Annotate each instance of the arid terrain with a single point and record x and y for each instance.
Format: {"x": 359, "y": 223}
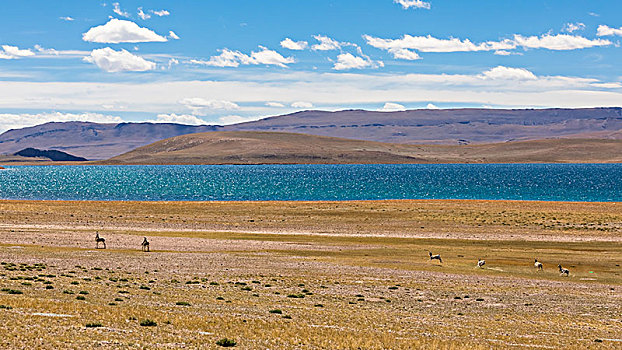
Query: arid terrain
{"x": 289, "y": 148}
{"x": 310, "y": 275}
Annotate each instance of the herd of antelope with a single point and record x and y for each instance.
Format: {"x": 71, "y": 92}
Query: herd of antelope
{"x": 481, "y": 262}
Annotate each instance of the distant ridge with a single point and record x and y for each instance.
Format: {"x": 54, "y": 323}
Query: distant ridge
{"x": 466, "y": 126}
{"x": 92, "y": 140}
{"x": 53, "y": 155}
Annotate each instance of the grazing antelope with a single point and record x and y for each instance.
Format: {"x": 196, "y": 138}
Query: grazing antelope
{"x": 538, "y": 265}
{"x": 435, "y": 257}
{"x": 563, "y": 271}
{"x": 480, "y": 263}
{"x": 145, "y": 245}
{"x": 98, "y": 240}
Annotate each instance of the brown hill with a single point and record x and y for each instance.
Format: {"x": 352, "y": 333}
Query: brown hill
{"x": 423, "y": 126}
{"x": 290, "y": 148}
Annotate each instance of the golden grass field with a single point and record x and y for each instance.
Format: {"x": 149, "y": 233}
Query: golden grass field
{"x": 311, "y": 275}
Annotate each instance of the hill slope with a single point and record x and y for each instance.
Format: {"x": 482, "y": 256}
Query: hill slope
{"x": 288, "y": 148}
{"x": 446, "y": 126}
{"x": 92, "y": 140}
{"x": 449, "y": 126}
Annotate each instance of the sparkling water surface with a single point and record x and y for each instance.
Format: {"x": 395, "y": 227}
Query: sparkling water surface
{"x": 549, "y": 182}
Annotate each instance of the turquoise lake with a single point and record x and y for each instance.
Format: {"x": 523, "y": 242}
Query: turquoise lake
{"x": 548, "y": 182}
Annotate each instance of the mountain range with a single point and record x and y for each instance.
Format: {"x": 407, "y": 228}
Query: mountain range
{"x": 425, "y": 126}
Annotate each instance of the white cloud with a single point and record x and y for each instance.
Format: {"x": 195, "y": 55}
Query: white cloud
{"x": 432, "y": 44}
{"x": 392, "y": 107}
{"x": 121, "y": 31}
{"x": 572, "y": 27}
{"x": 16, "y": 121}
{"x": 400, "y": 47}
{"x": 67, "y": 18}
{"x": 294, "y": 45}
{"x": 275, "y": 104}
{"x": 234, "y": 119}
{"x": 417, "y": 4}
{"x": 508, "y": 73}
{"x": 502, "y": 53}
{"x": 178, "y": 119}
{"x": 302, "y": 104}
{"x": 230, "y": 58}
{"x": 172, "y": 62}
{"x": 349, "y": 61}
{"x": 201, "y": 106}
{"x": 404, "y": 54}
{"x": 558, "y": 42}
{"x": 431, "y": 106}
{"x": 113, "y": 61}
{"x": 143, "y": 15}
{"x": 160, "y": 13}
{"x": 172, "y": 35}
{"x": 9, "y": 52}
{"x": 325, "y": 43}
{"x": 604, "y": 30}
{"x": 117, "y": 9}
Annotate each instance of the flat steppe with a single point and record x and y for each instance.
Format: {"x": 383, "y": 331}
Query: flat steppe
{"x": 310, "y": 275}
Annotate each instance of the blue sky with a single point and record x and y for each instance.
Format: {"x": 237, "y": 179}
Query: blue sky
{"x": 220, "y": 62}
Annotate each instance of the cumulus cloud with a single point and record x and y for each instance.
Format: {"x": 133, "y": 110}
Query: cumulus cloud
{"x": 558, "y": 42}
{"x": 113, "y": 61}
{"x": 67, "y": 18}
{"x": 201, "y": 106}
{"x": 230, "y": 58}
{"x": 302, "y": 104}
{"x": 604, "y": 30}
{"x": 160, "y": 13}
{"x": 143, "y": 15}
{"x": 178, "y": 119}
{"x": 116, "y": 8}
{"x": 432, "y": 44}
{"x": 403, "y": 47}
{"x": 392, "y": 107}
{"x": 16, "y": 121}
{"x": 349, "y": 61}
{"x": 417, "y": 4}
{"x": 508, "y": 73}
{"x": 9, "y": 52}
{"x": 172, "y": 35}
{"x": 275, "y": 104}
{"x": 573, "y": 27}
{"x": 121, "y": 31}
{"x": 294, "y": 45}
{"x": 325, "y": 43}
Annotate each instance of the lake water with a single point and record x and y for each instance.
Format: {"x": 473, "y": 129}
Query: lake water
{"x": 549, "y": 182}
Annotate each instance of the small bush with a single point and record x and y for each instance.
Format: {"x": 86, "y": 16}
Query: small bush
{"x": 75, "y": 283}
{"x": 49, "y": 287}
{"x": 220, "y": 298}
{"x": 318, "y": 305}
{"x": 298, "y": 296}
{"x": 393, "y": 288}
{"x": 93, "y": 325}
{"x": 182, "y": 303}
{"x": 287, "y": 317}
{"x": 5, "y": 307}
{"x": 118, "y": 299}
{"x": 148, "y": 323}
{"x": 83, "y": 292}
{"x": 144, "y": 287}
{"x": 80, "y": 297}
{"x": 276, "y": 311}
{"x": 68, "y": 292}
{"x": 12, "y": 291}
{"x": 213, "y": 283}
{"x": 226, "y": 343}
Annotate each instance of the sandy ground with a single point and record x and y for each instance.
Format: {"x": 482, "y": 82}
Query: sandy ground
{"x": 336, "y": 275}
